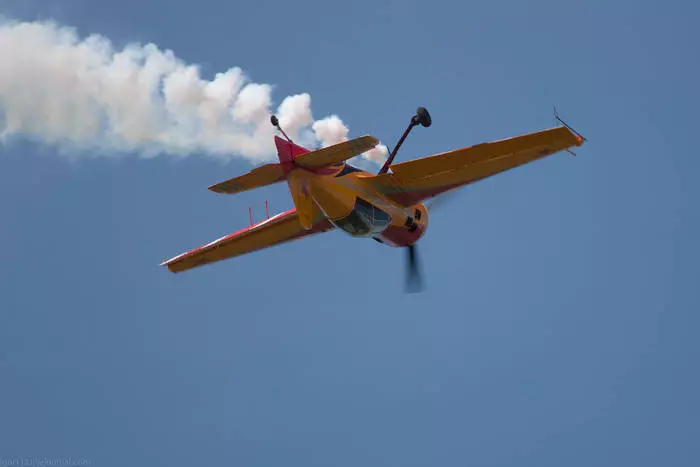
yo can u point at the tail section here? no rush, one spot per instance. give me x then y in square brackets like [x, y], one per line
[293, 154]
[291, 157]
[300, 189]
[267, 174]
[336, 153]
[287, 151]
[298, 181]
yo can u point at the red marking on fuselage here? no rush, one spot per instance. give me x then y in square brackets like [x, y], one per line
[327, 170]
[401, 236]
[287, 152]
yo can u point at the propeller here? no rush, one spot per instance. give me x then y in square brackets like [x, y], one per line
[414, 273]
[414, 276]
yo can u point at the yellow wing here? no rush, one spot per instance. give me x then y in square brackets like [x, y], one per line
[414, 181]
[278, 229]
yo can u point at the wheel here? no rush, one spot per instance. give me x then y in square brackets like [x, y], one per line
[423, 117]
[274, 121]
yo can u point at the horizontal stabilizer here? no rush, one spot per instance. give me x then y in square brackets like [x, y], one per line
[337, 153]
[259, 177]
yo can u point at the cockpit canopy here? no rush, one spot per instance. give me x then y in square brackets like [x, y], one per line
[365, 220]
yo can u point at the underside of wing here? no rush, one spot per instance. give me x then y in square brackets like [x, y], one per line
[256, 178]
[414, 181]
[278, 229]
[337, 153]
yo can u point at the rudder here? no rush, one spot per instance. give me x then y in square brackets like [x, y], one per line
[288, 151]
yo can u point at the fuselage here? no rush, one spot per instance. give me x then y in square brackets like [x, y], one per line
[357, 208]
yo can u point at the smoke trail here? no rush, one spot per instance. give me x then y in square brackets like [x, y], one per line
[83, 96]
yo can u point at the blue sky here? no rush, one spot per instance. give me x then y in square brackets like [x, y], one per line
[558, 325]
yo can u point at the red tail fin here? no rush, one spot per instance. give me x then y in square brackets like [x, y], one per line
[287, 151]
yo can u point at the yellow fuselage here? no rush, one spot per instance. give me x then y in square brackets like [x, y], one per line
[354, 206]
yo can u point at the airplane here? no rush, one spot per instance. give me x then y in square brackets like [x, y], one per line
[328, 193]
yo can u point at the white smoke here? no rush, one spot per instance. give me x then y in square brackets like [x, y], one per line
[331, 130]
[83, 96]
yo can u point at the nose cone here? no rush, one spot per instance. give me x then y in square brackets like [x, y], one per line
[409, 232]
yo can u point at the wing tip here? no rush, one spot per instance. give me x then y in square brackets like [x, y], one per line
[170, 263]
[218, 188]
[167, 264]
[172, 267]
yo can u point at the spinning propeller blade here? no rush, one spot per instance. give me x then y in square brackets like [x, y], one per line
[414, 279]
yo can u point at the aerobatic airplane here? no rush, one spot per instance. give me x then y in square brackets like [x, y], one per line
[328, 193]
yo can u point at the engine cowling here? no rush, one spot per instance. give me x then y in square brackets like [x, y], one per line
[407, 233]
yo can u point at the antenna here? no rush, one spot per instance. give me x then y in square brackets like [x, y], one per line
[579, 135]
[558, 119]
[276, 123]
